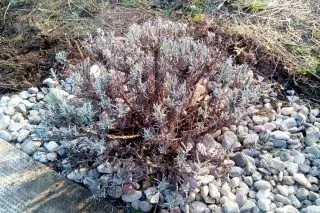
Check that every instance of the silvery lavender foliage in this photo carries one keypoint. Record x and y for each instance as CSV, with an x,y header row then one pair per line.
x,y
159,83
62,111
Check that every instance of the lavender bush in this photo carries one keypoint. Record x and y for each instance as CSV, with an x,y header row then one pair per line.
x,y
154,95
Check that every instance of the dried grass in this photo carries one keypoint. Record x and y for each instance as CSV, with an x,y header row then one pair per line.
x,y
288,29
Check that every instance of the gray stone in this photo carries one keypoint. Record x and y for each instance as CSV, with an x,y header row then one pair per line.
x,y
145,206
13,102
51,146
40,156
304,168
135,204
214,191
279,143
317,202
313,196
235,182
105,168
301,179
270,126
28,104
18,118
256,176
76,176
33,90
259,120
230,206
248,180
313,150
52,156
22,135
294,201
34,119
283,190
263,193
264,204
251,139
21,108
14,127
262,184
279,135
5,135
288,123
292,168
276,164
247,206
311,209
235,171
199,207
29,146
299,158
4,121
302,193
229,139
282,199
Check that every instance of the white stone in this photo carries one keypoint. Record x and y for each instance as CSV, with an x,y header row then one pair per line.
x,y
204,191
14,127
264,204
301,179
33,90
23,134
199,207
28,104
9,111
262,184
29,146
229,139
5,135
4,121
230,206
287,110
21,108
280,135
105,168
18,118
263,193
136,195
40,156
283,190
14,102
247,206
205,179
214,191
52,156
50,82
51,146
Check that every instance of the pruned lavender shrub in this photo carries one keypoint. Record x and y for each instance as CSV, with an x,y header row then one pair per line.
x,y
154,94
